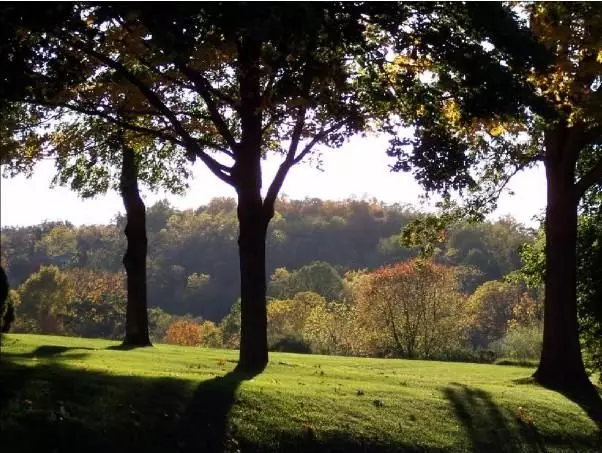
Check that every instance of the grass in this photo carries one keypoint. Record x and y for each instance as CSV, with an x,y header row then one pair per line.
x,y
60,394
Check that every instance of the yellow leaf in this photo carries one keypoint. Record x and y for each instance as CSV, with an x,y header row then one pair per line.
x,y
497,130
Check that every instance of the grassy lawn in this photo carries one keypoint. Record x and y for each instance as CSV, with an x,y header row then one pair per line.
x,y
61,394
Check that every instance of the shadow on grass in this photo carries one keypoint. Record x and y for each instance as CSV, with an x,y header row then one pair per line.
x,y
588,398
491,428
77,410
49,352
127,347
73,410
50,407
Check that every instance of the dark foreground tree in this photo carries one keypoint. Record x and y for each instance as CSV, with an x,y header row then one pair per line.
x,y
3,297
490,113
236,79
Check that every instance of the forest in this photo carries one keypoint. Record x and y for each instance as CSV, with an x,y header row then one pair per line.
x,y
127,98
317,249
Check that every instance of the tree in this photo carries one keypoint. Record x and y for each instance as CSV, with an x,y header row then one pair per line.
x,y
589,268
233,79
230,326
287,318
318,277
416,306
4,290
497,105
97,303
184,333
493,307
24,127
44,300
331,328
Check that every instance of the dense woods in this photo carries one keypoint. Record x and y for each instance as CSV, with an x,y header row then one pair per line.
x,y
192,254
341,281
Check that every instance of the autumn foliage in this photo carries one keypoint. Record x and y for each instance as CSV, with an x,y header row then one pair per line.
x,y
413,309
190,333
184,333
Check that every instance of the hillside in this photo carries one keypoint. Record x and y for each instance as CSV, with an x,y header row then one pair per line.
x,y
168,398
188,247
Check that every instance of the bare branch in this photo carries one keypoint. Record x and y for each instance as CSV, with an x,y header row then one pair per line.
x,y
291,160
317,138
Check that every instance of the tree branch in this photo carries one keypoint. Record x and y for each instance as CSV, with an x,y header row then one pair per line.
x,y
593,176
191,145
291,160
317,138
205,89
111,119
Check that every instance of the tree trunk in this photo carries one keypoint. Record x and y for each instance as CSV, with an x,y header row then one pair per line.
x,y
253,288
134,260
253,217
561,366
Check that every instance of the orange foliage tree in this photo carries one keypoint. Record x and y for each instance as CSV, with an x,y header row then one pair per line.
x,y
413,309
184,333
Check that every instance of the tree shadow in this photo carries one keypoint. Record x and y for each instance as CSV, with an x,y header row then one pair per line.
x,y
205,423
127,347
49,352
51,407
491,428
77,410
588,397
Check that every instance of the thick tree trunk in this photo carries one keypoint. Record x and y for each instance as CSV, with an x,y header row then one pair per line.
x,y
253,217
561,366
251,242
134,260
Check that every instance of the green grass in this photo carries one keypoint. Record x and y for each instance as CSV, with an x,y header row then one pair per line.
x,y
60,394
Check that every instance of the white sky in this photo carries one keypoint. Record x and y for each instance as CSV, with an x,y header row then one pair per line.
x,y
360,168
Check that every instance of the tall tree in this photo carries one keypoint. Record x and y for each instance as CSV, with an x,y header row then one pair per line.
x,y
491,109
234,79
94,155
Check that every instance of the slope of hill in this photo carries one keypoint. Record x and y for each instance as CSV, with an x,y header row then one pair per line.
x,y
67,394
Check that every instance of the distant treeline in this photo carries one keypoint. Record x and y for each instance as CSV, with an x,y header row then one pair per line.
x,y
193,261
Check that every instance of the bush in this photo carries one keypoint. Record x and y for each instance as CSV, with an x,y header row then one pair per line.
x,y
466,355
521,343
512,362
212,335
8,312
291,343
184,333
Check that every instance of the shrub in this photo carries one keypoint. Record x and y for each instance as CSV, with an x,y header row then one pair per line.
x,y
466,355
8,311
521,343
184,333
211,335
291,343
512,362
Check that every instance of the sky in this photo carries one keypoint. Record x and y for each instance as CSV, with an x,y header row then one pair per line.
x,y
358,169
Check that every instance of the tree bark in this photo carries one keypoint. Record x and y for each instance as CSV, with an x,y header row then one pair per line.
x,y
561,366
134,260
253,214
251,242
